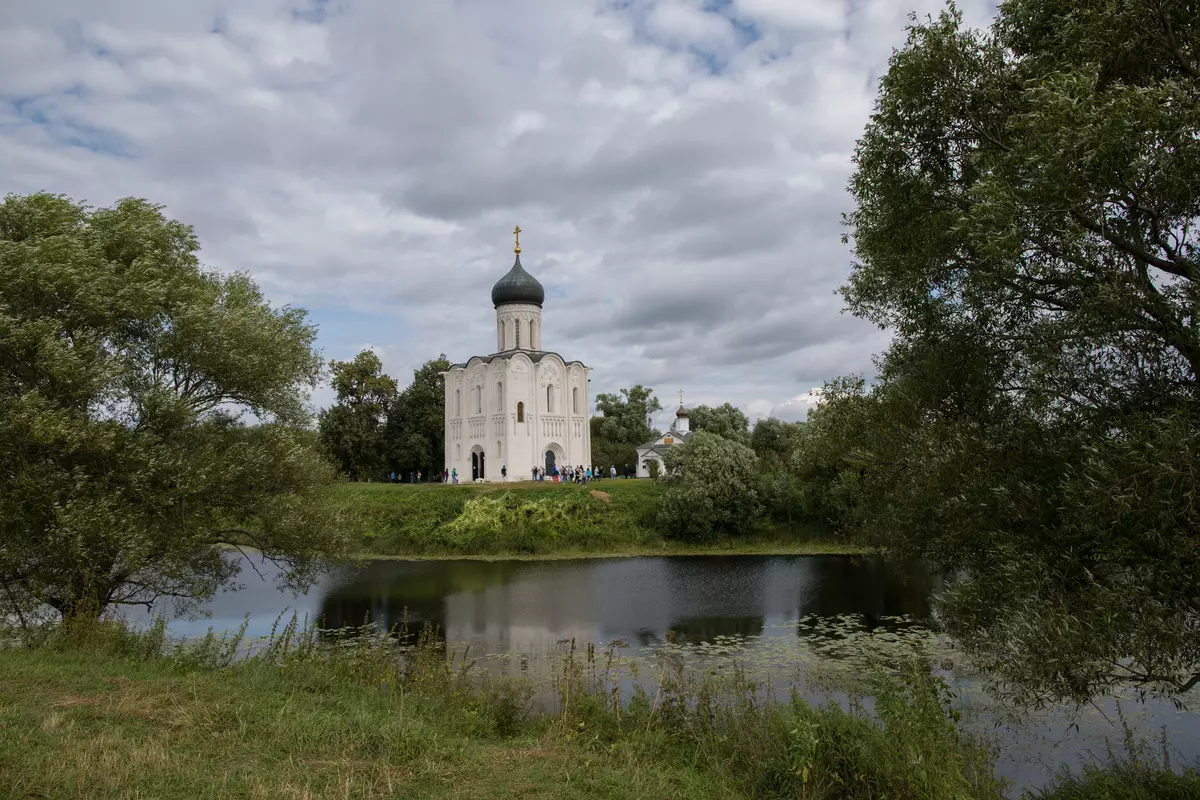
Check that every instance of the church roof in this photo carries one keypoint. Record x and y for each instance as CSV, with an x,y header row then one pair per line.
x,y
662,448
518,286
534,355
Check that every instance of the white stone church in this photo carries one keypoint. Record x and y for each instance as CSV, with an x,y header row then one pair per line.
x,y
521,406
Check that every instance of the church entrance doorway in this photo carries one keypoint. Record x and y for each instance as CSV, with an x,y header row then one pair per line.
x,y
549,462
477,470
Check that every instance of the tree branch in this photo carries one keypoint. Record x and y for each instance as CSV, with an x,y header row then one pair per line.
x,y
1180,267
1172,43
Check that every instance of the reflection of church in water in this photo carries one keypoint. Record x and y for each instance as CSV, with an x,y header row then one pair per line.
x,y
521,406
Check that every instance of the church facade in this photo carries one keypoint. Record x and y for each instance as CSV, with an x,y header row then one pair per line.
x,y
522,406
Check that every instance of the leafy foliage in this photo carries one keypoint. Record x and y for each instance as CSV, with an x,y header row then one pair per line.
x,y
352,429
124,371
711,489
726,420
774,441
1026,226
416,422
622,424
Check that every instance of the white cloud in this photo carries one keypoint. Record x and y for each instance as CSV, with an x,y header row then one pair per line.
x,y
679,178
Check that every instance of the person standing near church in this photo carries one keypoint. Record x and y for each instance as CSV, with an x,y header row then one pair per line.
x,y
504,473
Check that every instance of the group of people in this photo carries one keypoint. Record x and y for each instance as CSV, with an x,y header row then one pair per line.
x,y
577,474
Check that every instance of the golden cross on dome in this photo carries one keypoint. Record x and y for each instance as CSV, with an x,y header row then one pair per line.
x,y
517,233
681,398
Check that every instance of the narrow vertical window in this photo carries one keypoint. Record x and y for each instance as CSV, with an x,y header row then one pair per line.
x,y
479,399
458,402
518,334
520,412
499,396
575,399
550,398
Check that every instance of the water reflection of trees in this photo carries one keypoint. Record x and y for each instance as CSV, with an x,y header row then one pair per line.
x,y
392,595
637,599
869,588
706,629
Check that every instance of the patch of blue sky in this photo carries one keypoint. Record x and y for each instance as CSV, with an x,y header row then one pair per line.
x,y
341,331
40,110
715,63
314,11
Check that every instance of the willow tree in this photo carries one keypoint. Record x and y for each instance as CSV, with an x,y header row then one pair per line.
x,y
128,379
1026,225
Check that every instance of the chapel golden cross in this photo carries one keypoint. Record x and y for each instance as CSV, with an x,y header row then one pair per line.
x,y
517,233
681,398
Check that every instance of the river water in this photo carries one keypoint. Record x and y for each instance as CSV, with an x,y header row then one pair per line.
x,y
787,617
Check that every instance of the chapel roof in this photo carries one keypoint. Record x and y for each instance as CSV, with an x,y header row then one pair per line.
x,y
662,448
518,286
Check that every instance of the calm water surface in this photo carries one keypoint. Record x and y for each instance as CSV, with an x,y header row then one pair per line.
x,y
776,614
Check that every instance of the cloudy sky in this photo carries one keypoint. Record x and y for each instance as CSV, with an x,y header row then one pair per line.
x,y
678,167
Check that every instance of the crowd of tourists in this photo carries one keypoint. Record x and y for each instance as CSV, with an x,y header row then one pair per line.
x,y
578,474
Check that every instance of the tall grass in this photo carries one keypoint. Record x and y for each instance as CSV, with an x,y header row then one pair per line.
x,y
113,712
723,732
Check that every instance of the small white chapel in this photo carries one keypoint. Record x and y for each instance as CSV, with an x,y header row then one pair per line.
x,y
655,449
520,407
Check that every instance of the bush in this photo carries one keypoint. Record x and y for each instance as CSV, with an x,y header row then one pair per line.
x,y
711,489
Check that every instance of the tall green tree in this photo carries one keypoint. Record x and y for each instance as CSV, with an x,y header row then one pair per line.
x,y
1026,225
622,424
125,372
353,428
725,420
416,422
774,441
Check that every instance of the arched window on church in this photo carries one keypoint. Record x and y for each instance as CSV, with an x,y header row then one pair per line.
x,y
479,399
575,399
458,402
533,342
518,334
499,395
520,412
550,398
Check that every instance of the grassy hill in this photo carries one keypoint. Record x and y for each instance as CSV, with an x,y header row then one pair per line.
x,y
534,519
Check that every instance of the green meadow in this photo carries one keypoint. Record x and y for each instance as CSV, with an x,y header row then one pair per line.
x,y
528,519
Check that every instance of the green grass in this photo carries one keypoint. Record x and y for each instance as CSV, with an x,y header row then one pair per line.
x,y
125,715
537,520
121,718
1124,782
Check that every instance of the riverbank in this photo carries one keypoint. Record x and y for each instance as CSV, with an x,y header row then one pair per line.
x,y
541,520
127,716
